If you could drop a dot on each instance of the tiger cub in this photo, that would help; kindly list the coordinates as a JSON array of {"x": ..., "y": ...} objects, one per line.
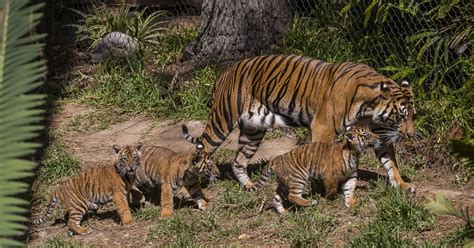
[
  {"x": 93, "y": 187},
  {"x": 332, "y": 163},
  {"x": 172, "y": 171}
]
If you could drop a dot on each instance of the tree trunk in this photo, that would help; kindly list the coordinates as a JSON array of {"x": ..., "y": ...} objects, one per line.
[{"x": 235, "y": 29}]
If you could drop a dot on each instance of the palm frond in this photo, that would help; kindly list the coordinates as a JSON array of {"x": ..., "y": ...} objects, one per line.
[{"x": 20, "y": 73}]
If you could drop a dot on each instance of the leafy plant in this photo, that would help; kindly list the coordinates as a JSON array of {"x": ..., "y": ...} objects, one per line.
[
  {"x": 146, "y": 29},
  {"x": 20, "y": 73},
  {"x": 441, "y": 205}
]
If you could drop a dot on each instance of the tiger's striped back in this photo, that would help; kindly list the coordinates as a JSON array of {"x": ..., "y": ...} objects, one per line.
[{"x": 272, "y": 91}]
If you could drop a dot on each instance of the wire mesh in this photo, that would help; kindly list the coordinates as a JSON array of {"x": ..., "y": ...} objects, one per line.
[{"x": 429, "y": 42}]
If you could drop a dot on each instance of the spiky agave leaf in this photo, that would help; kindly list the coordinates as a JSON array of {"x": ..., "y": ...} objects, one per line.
[{"x": 20, "y": 73}]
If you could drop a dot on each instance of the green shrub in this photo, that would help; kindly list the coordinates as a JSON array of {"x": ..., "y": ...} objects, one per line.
[{"x": 92, "y": 27}]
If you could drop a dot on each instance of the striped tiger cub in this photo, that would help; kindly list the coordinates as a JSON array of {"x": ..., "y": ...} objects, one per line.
[
  {"x": 333, "y": 163},
  {"x": 93, "y": 187},
  {"x": 272, "y": 91},
  {"x": 172, "y": 171}
]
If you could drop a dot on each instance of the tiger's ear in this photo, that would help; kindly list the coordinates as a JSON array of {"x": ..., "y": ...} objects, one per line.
[
  {"x": 116, "y": 149},
  {"x": 384, "y": 87},
  {"x": 405, "y": 83},
  {"x": 200, "y": 147},
  {"x": 139, "y": 146}
]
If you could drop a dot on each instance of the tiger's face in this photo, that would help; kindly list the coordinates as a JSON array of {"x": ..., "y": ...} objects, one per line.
[
  {"x": 396, "y": 110},
  {"x": 204, "y": 164},
  {"x": 127, "y": 159},
  {"x": 361, "y": 137}
]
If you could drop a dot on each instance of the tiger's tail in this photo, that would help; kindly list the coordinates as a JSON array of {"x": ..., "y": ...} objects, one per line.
[
  {"x": 266, "y": 174},
  {"x": 188, "y": 137},
  {"x": 52, "y": 205}
]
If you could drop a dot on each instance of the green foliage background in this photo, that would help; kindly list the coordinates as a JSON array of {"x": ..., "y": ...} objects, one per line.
[{"x": 20, "y": 73}]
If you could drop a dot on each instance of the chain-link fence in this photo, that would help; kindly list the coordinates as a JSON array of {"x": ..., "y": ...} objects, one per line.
[{"x": 429, "y": 42}]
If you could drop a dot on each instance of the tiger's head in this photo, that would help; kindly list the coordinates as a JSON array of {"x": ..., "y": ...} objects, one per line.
[
  {"x": 360, "y": 137},
  {"x": 127, "y": 159},
  {"x": 204, "y": 164},
  {"x": 395, "y": 110}
]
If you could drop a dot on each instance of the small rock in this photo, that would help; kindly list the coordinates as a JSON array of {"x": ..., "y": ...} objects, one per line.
[{"x": 114, "y": 44}]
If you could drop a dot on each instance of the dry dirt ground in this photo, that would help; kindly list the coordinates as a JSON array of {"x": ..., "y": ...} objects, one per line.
[{"x": 94, "y": 147}]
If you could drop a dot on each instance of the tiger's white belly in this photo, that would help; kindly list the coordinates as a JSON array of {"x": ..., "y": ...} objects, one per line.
[{"x": 261, "y": 118}]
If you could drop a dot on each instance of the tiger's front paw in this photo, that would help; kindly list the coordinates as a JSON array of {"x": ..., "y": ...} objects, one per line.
[
  {"x": 351, "y": 202},
  {"x": 127, "y": 222},
  {"x": 249, "y": 186},
  {"x": 408, "y": 186},
  {"x": 165, "y": 213},
  {"x": 202, "y": 204}
]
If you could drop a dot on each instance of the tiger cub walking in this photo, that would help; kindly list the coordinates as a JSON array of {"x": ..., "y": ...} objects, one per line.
[
  {"x": 172, "y": 171},
  {"x": 332, "y": 163},
  {"x": 93, "y": 187}
]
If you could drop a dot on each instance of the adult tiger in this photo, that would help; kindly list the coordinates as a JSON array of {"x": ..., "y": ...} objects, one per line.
[{"x": 291, "y": 91}]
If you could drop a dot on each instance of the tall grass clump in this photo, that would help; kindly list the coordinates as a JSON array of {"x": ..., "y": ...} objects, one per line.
[
  {"x": 144, "y": 27},
  {"x": 397, "y": 213},
  {"x": 129, "y": 90}
]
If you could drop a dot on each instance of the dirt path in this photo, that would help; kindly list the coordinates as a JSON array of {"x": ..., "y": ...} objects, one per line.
[{"x": 94, "y": 147}]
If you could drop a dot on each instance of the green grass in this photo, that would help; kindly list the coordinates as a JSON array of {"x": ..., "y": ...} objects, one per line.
[
  {"x": 234, "y": 199},
  {"x": 58, "y": 163},
  {"x": 396, "y": 215},
  {"x": 128, "y": 92},
  {"x": 194, "y": 96},
  {"x": 62, "y": 242},
  {"x": 172, "y": 44},
  {"x": 308, "y": 227},
  {"x": 148, "y": 212}
]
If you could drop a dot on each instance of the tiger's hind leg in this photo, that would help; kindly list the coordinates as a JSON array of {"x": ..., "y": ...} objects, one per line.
[
  {"x": 74, "y": 222},
  {"x": 249, "y": 140},
  {"x": 296, "y": 194},
  {"x": 386, "y": 156}
]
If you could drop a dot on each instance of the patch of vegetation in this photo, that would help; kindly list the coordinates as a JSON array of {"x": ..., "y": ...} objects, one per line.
[
  {"x": 194, "y": 96},
  {"x": 441, "y": 205},
  {"x": 129, "y": 89},
  {"x": 320, "y": 35},
  {"x": 143, "y": 27},
  {"x": 99, "y": 119},
  {"x": 127, "y": 92},
  {"x": 183, "y": 223},
  {"x": 172, "y": 45},
  {"x": 234, "y": 199},
  {"x": 396, "y": 214},
  {"x": 148, "y": 212},
  {"x": 62, "y": 242},
  {"x": 309, "y": 227},
  {"x": 58, "y": 163}
]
